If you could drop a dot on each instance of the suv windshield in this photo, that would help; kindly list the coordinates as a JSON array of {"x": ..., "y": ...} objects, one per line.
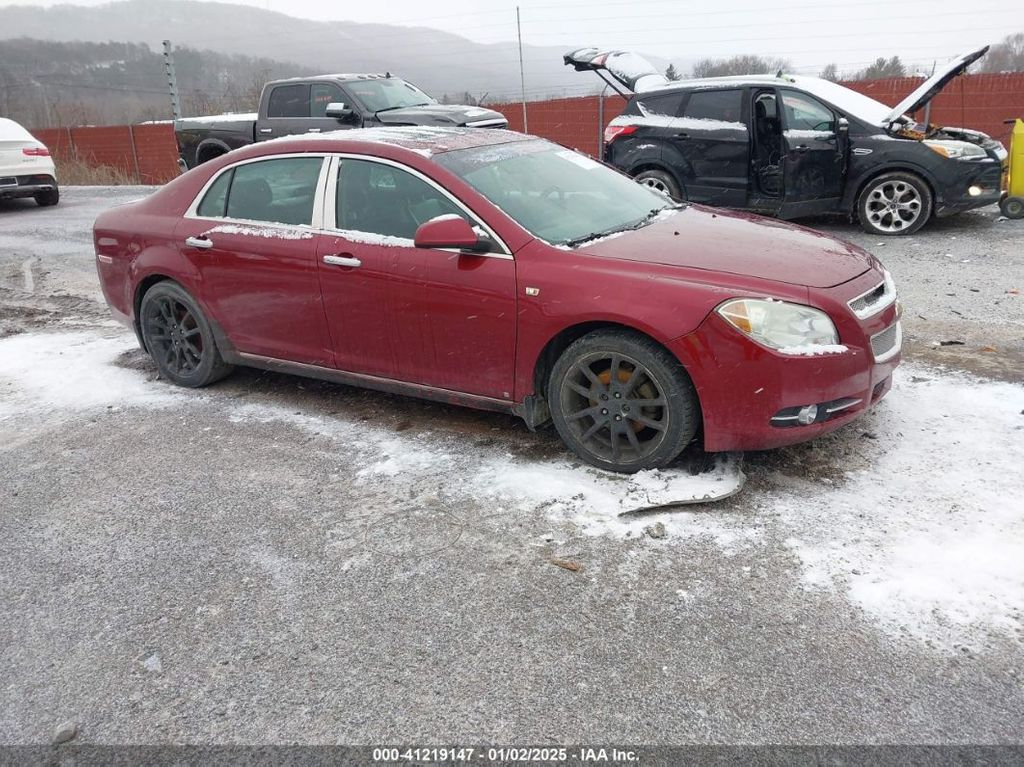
[
  {"x": 378, "y": 95},
  {"x": 556, "y": 194}
]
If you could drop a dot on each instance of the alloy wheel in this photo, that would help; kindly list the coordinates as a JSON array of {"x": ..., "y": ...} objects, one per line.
[
  {"x": 894, "y": 206},
  {"x": 615, "y": 407},
  {"x": 174, "y": 336}
]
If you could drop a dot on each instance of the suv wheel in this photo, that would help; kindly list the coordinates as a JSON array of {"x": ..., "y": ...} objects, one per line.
[
  {"x": 660, "y": 181},
  {"x": 894, "y": 203},
  {"x": 47, "y": 198},
  {"x": 622, "y": 402},
  {"x": 179, "y": 337}
]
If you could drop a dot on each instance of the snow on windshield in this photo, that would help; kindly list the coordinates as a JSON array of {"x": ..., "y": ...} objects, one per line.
[{"x": 849, "y": 101}]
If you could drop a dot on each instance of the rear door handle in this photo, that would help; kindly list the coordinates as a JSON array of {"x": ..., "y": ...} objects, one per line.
[
  {"x": 342, "y": 261},
  {"x": 202, "y": 243},
  {"x": 802, "y": 148},
  {"x": 266, "y": 130},
  {"x": 680, "y": 135}
]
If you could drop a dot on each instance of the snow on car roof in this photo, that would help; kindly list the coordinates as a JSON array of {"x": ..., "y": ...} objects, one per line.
[
  {"x": 12, "y": 131},
  {"x": 422, "y": 139},
  {"x": 850, "y": 101}
]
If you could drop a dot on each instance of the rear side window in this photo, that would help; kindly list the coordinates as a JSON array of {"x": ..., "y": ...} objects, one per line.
[
  {"x": 289, "y": 101},
  {"x": 216, "y": 198},
  {"x": 272, "y": 191},
  {"x": 667, "y": 105},
  {"x": 723, "y": 106}
]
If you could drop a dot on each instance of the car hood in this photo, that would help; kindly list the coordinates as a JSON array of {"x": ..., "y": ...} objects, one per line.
[
  {"x": 445, "y": 115},
  {"x": 927, "y": 90},
  {"x": 739, "y": 243}
]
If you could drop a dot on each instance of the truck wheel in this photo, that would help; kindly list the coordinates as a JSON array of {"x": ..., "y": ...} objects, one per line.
[
  {"x": 1012, "y": 207},
  {"x": 659, "y": 181},
  {"x": 894, "y": 204},
  {"x": 622, "y": 402}
]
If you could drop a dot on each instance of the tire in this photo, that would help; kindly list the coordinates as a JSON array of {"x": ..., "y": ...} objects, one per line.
[
  {"x": 1012, "y": 207},
  {"x": 48, "y": 198},
  {"x": 602, "y": 422},
  {"x": 894, "y": 204},
  {"x": 660, "y": 181},
  {"x": 179, "y": 338}
]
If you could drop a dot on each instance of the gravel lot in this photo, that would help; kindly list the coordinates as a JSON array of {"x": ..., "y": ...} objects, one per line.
[{"x": 278, "y": 560}]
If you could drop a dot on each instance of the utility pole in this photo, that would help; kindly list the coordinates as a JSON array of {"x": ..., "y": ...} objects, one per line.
[
  {"x": 522, "y": 76},
  {"x": 172, "y": 80}
]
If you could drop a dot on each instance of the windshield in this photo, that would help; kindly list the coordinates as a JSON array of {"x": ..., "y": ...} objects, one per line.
[
  {"x": 849, "y": 101},
  {"x": 556, "y": 194},
  {"x": 391, "y": 93}
]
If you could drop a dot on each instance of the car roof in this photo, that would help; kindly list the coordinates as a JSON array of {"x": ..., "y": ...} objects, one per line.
[
  {"x": 423, "y": 140},
  {"x": 343, "y": 76},
  {"x": 710, "y": 82}
]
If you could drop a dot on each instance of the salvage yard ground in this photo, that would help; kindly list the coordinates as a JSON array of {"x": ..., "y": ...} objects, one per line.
[{"x": 277, "y": 559}]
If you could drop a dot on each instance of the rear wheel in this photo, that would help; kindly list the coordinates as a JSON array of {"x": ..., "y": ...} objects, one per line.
[
  {"x": 621, "y": 402},
  {"x": 894, "y": 203},
  {"x": 179, "y": 337},
  {"x": 659, "y": 181},
  {"x": 47, "y": 198}
]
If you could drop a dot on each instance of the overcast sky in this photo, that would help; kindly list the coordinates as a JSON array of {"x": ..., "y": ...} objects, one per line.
[{"x": 808, "y": 33}]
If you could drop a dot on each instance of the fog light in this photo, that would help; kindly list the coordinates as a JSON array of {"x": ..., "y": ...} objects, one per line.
[
  {"x": 974, "y": 190},
  {"x": 807, "y": 415}
]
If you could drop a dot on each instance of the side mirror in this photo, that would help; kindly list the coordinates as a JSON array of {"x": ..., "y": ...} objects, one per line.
[
  {"x": 339, "y": 110},
  {"x": 842, "y": 125},
  {"x": 450, "y": 231}
]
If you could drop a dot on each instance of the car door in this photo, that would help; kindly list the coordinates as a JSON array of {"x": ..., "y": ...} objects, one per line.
[
  {"x": 814, "y": 165},
  {"x": 252, "y": 239},
  {"x": 711, "y": 146},
  {"x": 439, "y": 318}
]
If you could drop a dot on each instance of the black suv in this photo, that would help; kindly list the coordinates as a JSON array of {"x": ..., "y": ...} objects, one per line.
[{"x": 795, "y": 146}]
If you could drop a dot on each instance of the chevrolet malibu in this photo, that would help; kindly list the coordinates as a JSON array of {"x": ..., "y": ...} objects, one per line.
[{"x": 500, "y": 271}]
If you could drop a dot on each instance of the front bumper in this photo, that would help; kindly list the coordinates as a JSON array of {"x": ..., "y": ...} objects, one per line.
[
  {"x": 744, "y": 387},
  {"x": 956, "y": 197},
  {"x": 25, "y": 186}
]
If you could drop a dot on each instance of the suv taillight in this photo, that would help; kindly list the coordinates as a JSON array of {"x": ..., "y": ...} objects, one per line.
[
  {"x": 612, "y": 132},
  {"x": 36, "y": 151}
]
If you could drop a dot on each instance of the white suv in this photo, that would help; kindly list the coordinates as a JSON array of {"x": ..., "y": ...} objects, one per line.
[{"x": 26, "y": 168}]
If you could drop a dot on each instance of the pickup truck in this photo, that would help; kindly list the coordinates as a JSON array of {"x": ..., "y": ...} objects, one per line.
[{"x": 321, "y": 104}]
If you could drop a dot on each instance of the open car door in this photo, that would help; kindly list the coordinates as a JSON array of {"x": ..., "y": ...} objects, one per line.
[{"x": 632, "y": 72}]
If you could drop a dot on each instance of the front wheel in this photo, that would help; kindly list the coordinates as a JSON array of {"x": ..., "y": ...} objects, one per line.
[
  {"x": 179, "y": 337},
  {"x": 621, "y": 402},
  {"x": 894, "y": 204}
]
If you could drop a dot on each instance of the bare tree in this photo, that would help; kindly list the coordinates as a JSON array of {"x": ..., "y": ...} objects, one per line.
[
  {"x": 830, "y": 72},
  {"x": 881, "y": 69},
  {"x": 1007, "y": 56},
  {"x": 672, "y": 73},
  {"x": 739, "y": 65}
]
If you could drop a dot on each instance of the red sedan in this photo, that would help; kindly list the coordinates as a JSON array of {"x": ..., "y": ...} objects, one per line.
[{"x": 501, "y": 271}]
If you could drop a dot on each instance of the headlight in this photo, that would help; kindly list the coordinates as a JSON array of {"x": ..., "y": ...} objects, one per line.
[
  {"x": 779, "y": 324},
  {"x": 956, "y": 150}
]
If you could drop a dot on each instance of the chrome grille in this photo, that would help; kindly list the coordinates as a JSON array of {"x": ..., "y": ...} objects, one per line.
[
  {"x": 886, "y": 345},
  {"x": 875, "y": 300}
]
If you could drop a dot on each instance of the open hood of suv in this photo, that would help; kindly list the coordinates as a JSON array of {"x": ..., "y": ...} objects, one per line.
[
  {"x": 634, "y": 72},
  {"x": 927, "y": 90}
]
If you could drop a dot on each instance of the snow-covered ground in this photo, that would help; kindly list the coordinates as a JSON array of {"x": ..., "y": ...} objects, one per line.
[{"x": 927, "y": 537}]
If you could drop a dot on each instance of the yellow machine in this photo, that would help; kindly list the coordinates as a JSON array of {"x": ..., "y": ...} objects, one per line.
[{"x": 1012, "y": 204}]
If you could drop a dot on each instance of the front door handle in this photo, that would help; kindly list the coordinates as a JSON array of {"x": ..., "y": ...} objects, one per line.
[
  {"x": 202, "y": 243},
  {"x": 681, "y": 135},
  {"x": 801, "y": 149},
  {"x": 342, "y": 261},
  {"x": 266, "y": 130}
]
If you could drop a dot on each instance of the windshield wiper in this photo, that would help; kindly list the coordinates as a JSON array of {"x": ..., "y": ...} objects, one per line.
[
  {"x": 636, "y": 225},
  {"x": 402, "y": 106}
]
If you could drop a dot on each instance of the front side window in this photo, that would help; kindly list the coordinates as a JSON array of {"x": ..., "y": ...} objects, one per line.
[
  {"x": 720, "y": 106},
  {"x": 289, "y": 101},
  {"x": 273, "y": 191},
  {"x": 380, "y": 199},
  {"x": 556, "y": 194},
  {"x": 322, "y": 95},
  {"x": 804, "y": 113}
]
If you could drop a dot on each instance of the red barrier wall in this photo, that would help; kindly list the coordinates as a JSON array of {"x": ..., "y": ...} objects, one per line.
[{"x": 148, "y": 153}]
